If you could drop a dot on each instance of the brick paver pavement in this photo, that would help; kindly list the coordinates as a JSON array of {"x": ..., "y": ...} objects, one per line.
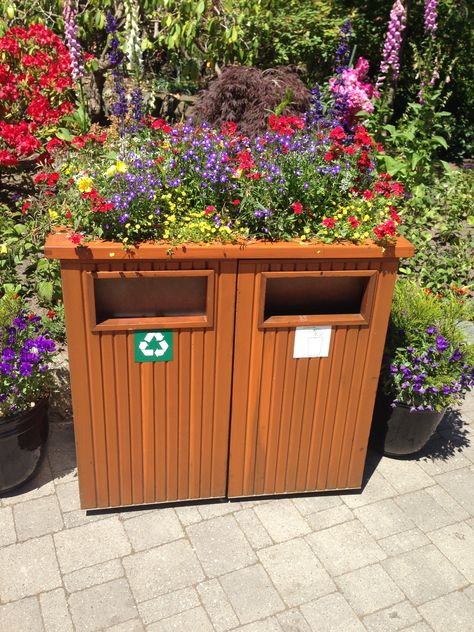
[{"x": 398, "y": 556}]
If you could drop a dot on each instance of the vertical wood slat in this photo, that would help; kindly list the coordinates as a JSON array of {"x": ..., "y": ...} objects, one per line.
[
  {"x": 151, "y": 432},
  {"x": 308, "y": 427}
]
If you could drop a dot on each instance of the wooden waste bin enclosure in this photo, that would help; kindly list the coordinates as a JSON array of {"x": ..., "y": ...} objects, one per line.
[{"x": 212, "y": 371}]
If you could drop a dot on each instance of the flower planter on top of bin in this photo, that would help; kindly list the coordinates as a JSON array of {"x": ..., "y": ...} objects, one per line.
[{"x": 220, "y": 406}]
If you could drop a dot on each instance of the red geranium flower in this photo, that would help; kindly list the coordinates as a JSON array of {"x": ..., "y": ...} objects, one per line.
[
  {"x": 297, "y": 208},
  {"x": 329, "y": 222}
]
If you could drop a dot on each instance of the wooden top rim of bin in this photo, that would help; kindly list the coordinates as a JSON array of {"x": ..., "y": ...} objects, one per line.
[{"x": 59, "y": 246}]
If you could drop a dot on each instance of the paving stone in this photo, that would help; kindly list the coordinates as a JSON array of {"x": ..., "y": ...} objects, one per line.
[
  {"x": 93, "y": 575},
  {"x": 38, "y": 517},
  {"x": 424, "y": 510},
  {"x": 91, "y": 544},
  {"x": 55, "y": 611},
  {"x": 383, "y": 518},
  {"x": 217, "y": 605},
  {"x": 41, "y": 485},
  {"x": 68, "y": 496},
  {"x": 331, "y": 614},
  {"x": 28, "y": 568},
  {"x": 404, "y": 476},
  {"x": 129, "y": 626},
  {"x": 459, "y": 484},
  {"x": 450, "y": 612},
  {"x": 448, "y": 503},
  {"x": 168, "y": 605},
  {"x": 391, "y": 619},
  {"x": 345, "y": 547},
  {"x": 267, "y": 625},
  {"x": 195, "y": 620},
  {"x": 437, "y": 465},
  {"x": 330, "y": 517},
  {"x": 421, "y": 627},
  {"x": 369, "y": 589},
  {"x": 282, "y": 520},
  {"x": 220, "y": 545},
  {"x": 214, "y": 510},
  {"x": 163, "y": 569},
  {"x": 457, "y": 543},
  {"x": 251, "y": 594},
  {"x": 253, "y": 529},
  {"x": 296, "y": 572},
  {"x": 293, "y": 621},
  {"x": 188, "y": 515},
  {"x": 424, "y": 574},
  {"x": 102, "y": 606},
  {"x": 7, "y": 527},
  {"x": 311, "y": 504},
  {"x": 61, "y": 448},
  {"x": 403, "y": 542},
  {"x": 469, "y": 592},
  {"x": 21, "y": 616},
  {"x": 80, "y": 517},
  {"x": 377, "y": 488},
  {"x": 153, "y": 528}
]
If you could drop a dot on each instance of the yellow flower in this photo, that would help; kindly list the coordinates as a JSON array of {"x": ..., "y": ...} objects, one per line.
[
  {"x": 111, "y": 170},
  {"x": 3, "y": 249},
  {"x": 84, "y": 184},
  {"x": 52, "y": 214},
  {"x": 366, "y": 218},
  {"x": 121, "y": 166}
]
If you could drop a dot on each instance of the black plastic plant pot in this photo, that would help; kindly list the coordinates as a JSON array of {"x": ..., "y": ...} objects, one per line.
[
  {"x": 23, "y": 439},
  {"x": 397, "y": 432}
]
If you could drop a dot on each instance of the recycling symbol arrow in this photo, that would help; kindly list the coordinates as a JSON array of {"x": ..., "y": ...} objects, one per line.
[{"x": 162, "y": 347}]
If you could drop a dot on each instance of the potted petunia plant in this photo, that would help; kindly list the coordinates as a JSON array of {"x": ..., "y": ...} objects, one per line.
[
  {"x": 26, "y": 353},
  {"x": 428, "y": 366}
]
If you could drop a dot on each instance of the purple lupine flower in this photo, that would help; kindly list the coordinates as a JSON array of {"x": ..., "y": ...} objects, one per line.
[
  {"x": 431, "y": 17},
  {"x": 393, "y": 40},
  {"x": 136, "y": 101},
  {"x": 341, "y": 61},
  {"x": 116, "y": 57},
  {"x": 314, "y": 116},
  {"x": 71, "y": 29}
]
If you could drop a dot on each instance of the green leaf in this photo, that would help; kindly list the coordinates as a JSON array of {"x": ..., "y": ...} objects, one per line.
[
  {"x": 441, "y": 141},
  {"x": 64, "y": 134},
  {"x": 45, "y": 290},
  {"x": 394, "y": 165},
  {"x": 470, "y": 220}
]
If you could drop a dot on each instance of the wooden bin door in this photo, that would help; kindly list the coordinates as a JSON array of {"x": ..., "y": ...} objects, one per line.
[
  {"x": 302, "y": 424},
  {"x": 150, "y": 431}
]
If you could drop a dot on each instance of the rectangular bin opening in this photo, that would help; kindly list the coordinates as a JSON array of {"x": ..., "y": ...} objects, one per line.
[
  {"x": 123, "y": 300},
  {"x": 292, "y": 298}
]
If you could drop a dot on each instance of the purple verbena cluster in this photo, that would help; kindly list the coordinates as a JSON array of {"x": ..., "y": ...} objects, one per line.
[
  {"x": 431, "y": 373},
  {"x": 26, "y": 351}
]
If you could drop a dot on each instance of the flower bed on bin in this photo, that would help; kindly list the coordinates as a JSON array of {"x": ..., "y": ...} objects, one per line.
[{"x": 186, "y": 184}]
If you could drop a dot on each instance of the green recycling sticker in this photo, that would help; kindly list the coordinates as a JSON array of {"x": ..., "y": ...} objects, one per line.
[{"x": 153, "y": 346}]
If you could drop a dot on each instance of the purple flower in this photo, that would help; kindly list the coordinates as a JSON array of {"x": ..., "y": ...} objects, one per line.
[
  {"x": 343, "y": 52},
  {"x": 446, "y": 389},
  {"x": 441, "y": 344},
  {"x": 431, "y": 330},
  {"x": 393, "y": 40},
  {"x": 71, "y": 29},
  {"x": 393, "y": 369},
  {"x": 457, "y": 355},
  {"x": 5, "y": 368},
  {"x": 431, "y": 17},
  {"x": 8, "y": 354},
  {"x": 26, "y": 369}
]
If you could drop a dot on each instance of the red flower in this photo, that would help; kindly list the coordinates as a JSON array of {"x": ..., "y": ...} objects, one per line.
[
  {"x": 338, "y": 133},
  {"x": 25, "y": 207},
  {"x": 387, "y": 229},
  {"x": 68, "y": 215},
  {"x": 329, "y": 222},
  {"x": 297, "y": 208},
  {"x": 76, "y": 238},
  {"x": 229, "y": 127},
  {"x": 209, "y": 209},
  {"x": 362, "y": 137},
  {"x": 236, "y": 202},
  {"x": 328, "y": 156},
  {"x": 8, "y": 159},
  {"x": 353, "y": 221},
  {"x": 51, "y": 314},
  {"x": 368, "y": 194}
]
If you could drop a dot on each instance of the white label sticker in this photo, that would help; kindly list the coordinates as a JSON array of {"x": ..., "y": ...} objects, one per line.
[{"x": 312, "y": 342}]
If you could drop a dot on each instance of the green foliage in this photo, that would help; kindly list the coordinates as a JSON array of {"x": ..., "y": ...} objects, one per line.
[
  {"x": 439, "y": 221},
  {"x": 428, "y": 364}
]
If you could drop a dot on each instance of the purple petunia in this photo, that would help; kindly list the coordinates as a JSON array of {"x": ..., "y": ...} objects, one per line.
[{"x": 441, "y": 344}]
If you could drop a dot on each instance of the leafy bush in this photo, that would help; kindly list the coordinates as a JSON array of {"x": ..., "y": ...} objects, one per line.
[
  {"x": 35, "y": 82},
  {"x": 440, "y": 223},
  {"x": 246, "y": 96}
]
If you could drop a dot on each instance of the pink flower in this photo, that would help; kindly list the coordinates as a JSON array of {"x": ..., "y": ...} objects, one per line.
[
  {"x": 353, "y": 86},
  {"x": 393, "y": 40}
]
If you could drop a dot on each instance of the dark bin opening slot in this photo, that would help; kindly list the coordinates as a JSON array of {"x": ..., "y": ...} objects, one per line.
[
  {"x": 150, "y": 297},
  {"x": 314, "y": 295}
]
